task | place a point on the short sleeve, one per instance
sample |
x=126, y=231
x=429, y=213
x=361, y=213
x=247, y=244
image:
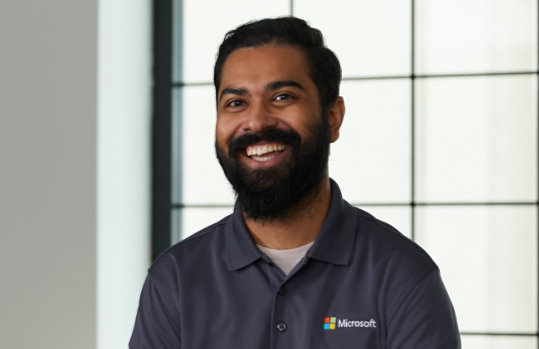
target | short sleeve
x=425, y=319
x=157, y=325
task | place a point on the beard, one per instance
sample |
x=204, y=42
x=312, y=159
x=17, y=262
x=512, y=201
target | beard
x=267, y=194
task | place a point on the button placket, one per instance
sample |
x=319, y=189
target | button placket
x=280, y=332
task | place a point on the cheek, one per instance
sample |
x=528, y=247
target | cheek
x=223, y=132
x=305, y=125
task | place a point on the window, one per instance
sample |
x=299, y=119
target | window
x=440, y=138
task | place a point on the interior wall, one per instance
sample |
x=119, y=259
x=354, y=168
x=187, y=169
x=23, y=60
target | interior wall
x=72, y=125
x=124, y=91
x=48, y=174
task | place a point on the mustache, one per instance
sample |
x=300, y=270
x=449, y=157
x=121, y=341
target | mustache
x=289, y=137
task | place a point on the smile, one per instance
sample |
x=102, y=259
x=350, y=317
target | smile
x=264, y=152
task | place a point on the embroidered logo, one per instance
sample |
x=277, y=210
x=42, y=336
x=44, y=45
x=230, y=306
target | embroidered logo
x=331, y=323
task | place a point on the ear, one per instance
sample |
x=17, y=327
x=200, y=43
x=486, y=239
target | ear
x=335, y=118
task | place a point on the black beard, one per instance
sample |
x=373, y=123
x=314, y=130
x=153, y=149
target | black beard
x=268, y=194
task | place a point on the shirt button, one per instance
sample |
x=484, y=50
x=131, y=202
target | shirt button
x=281, y=326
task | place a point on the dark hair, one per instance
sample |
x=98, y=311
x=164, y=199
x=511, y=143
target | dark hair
x=324, y=66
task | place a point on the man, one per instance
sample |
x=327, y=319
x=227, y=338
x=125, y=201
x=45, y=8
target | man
x=295, y=266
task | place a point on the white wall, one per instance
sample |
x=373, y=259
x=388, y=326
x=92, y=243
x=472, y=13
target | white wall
x=124, y=84
x=60, y=221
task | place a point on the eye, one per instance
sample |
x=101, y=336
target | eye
x=235, y=103
x=283, y=97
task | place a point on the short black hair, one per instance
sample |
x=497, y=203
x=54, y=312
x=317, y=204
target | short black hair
x=324, y=66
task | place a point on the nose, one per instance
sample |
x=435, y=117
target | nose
x=258, y=117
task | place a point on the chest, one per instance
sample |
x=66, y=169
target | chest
x=318, y=306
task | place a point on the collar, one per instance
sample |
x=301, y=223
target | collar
x=240, y=249
x=335, y=241
x=333, y=244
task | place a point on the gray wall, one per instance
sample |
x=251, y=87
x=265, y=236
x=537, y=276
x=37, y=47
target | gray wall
x=50, y=225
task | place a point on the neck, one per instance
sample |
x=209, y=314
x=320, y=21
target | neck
x=299, y=226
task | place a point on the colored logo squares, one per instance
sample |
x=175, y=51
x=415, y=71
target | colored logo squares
x=330, y=322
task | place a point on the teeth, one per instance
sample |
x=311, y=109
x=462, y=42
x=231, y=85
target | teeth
x=264, y=149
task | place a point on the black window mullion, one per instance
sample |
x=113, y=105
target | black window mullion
x=161, y=125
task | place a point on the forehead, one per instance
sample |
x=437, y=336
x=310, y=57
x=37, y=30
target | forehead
x=263, y=64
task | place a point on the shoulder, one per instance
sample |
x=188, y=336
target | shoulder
x=192, y=250
x=399, y=263
x=392, y=250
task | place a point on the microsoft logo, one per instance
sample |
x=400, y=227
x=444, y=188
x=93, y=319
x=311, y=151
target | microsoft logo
x=330, y=322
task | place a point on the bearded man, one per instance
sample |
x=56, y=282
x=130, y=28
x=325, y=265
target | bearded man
x=295, y=266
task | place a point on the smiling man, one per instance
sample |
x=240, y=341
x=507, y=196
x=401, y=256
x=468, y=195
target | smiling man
x=295, y=266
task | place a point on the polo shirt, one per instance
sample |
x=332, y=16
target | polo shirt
x=361, y=285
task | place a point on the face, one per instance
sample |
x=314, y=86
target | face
x=271, y=139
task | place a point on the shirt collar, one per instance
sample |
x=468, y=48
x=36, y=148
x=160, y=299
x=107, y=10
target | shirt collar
x=335, y=241
x=240, y=248
x=333, y=244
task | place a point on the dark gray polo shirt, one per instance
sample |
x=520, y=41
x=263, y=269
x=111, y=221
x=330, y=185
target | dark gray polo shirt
x=361, y=285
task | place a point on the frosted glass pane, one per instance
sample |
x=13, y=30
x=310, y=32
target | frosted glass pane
x=187, y=221
x=488, y=259
x=477, y=139
x=369, y=37
x=476, y=36
x=371, y=159
x=498, y=342
x=205, y=23
x=398, y=217
x=203, y=180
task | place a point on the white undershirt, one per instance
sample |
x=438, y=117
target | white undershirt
x=286, y=260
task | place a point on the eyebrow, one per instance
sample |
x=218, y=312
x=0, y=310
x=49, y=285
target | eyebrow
x=232, y=91
x=275, y=85
x=283, y=83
